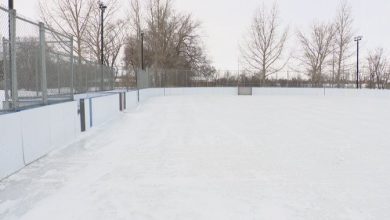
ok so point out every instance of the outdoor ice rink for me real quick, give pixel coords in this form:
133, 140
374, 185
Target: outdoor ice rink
218, 157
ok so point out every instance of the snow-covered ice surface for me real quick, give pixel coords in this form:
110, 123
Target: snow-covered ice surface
218, 158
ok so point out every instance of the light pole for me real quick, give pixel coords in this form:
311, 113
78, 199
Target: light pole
102, 8
10, 7
10, 50
357, 39
142, 51
10, 4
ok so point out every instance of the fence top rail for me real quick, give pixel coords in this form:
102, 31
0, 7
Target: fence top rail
36, 23
26, 20
59, 53
58, 33
3, 8
19, 17
56, 42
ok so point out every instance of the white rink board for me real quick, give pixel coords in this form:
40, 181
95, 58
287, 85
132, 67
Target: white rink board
47, 128
33, 133
104, 108
369, 93
131, 100
36, 133
321, 92
288, 91
200, 91
145, 94
11, 148
64, 124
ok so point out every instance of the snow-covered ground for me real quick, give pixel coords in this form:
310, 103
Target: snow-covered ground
2, 98
22, 93
224, 158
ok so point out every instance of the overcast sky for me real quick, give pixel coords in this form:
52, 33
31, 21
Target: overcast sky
225, 22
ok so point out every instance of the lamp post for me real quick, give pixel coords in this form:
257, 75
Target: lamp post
10, 4
102, 8
12, 73
142, 51
357, 39
10, 7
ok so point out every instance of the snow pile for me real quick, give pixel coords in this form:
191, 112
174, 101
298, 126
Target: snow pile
206, 157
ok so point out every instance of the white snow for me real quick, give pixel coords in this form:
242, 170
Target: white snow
2, 98
209, 157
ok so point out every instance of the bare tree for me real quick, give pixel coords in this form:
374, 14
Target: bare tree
114, 33
343, 40
316, 49
70, 17
171, 39
266, 43
378, 69
135, 17
114, 41
386, 77
163, 25
133, 41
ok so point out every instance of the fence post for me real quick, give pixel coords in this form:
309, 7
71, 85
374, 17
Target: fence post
186, 78
71, 68
176, 79
161, 78
12, 47
82, 115
36, 53
5, 71
42, 54
101, 77
88, 66
97, 78
58, 74
112, 77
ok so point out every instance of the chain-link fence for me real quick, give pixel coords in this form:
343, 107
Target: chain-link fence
59, 65
125, 78
4, 66
37, 66
150, 78
92, 77
36, 63
28, 54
